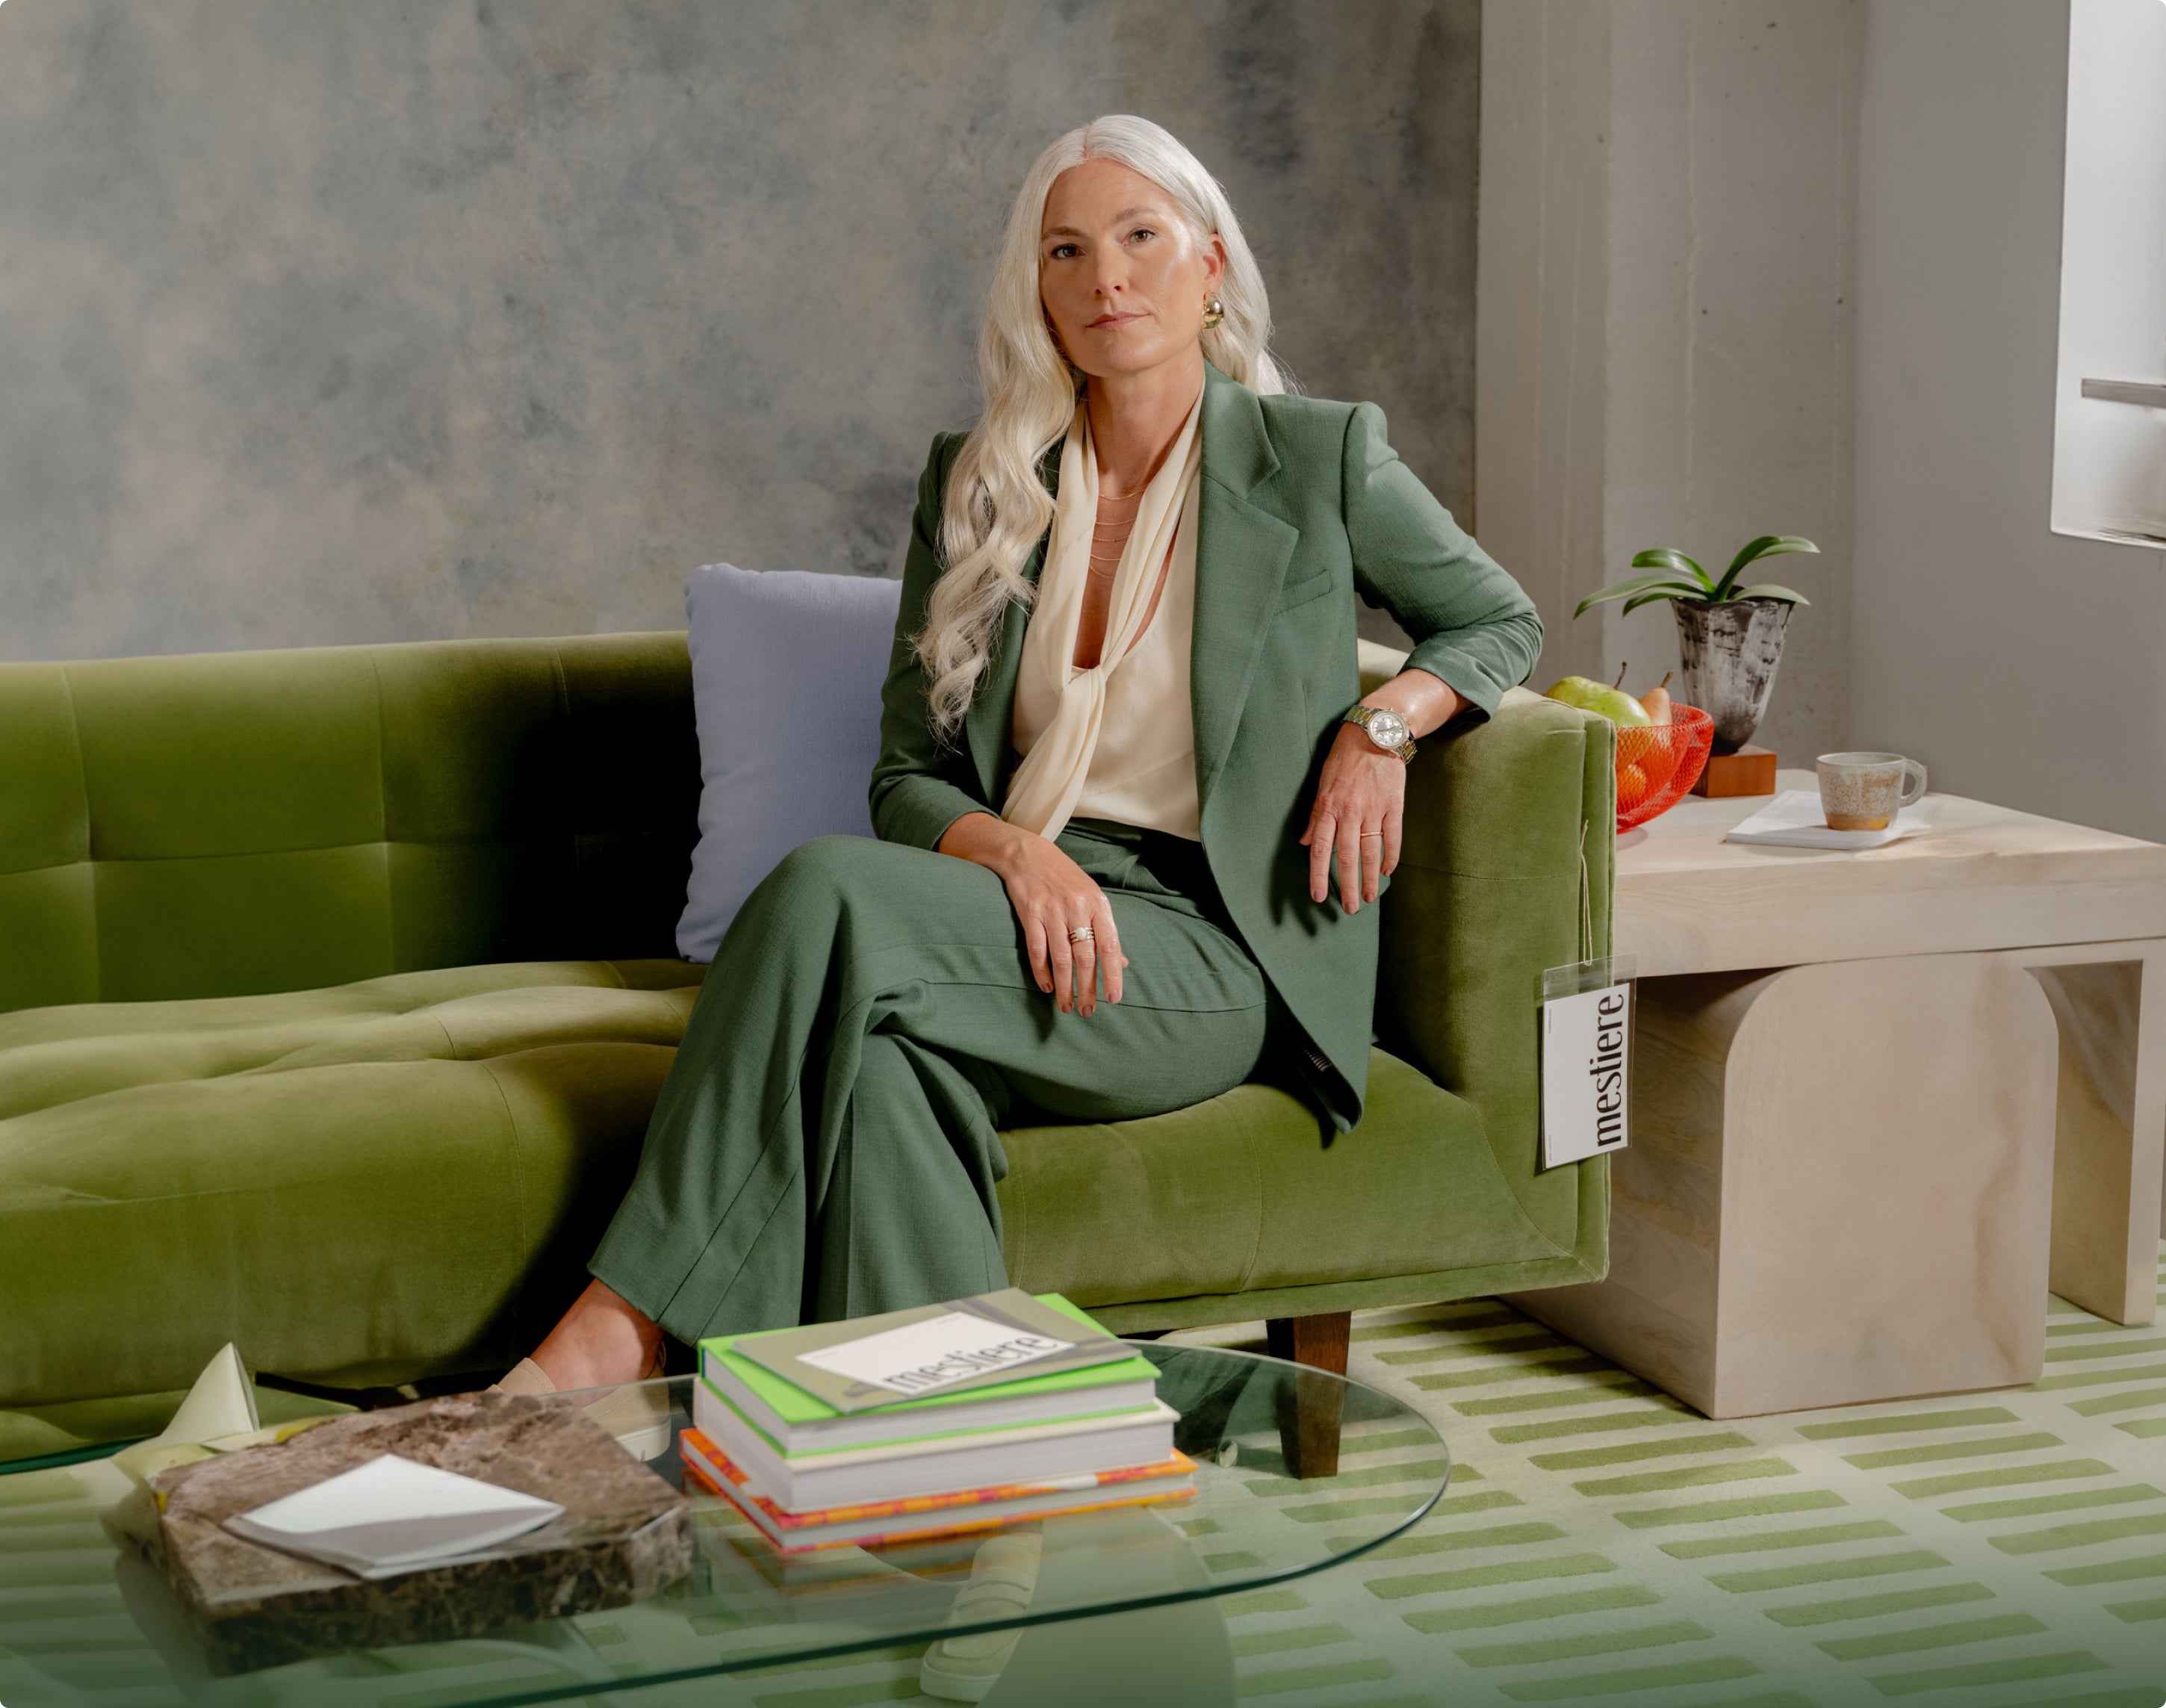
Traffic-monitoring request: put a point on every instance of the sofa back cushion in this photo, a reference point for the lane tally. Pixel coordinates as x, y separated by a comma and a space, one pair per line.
225, 824
786, 673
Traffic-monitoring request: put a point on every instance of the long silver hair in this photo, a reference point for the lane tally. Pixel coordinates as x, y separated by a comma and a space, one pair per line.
995, 506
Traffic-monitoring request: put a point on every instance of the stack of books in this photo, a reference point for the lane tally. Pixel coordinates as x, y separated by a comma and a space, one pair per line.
934, 1421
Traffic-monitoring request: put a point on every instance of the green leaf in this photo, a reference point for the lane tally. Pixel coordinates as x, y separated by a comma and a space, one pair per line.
1638, 588
1618, 589
1766, 545
1767, 589
1663, 557
1656, 595
1622, 590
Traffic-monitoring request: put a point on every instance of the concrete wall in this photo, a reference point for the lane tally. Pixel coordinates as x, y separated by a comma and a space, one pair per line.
1664, 317
2021, 665
1794, 266
336, 323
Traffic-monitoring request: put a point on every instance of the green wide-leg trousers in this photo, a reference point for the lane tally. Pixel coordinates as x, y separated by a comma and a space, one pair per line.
827, 1145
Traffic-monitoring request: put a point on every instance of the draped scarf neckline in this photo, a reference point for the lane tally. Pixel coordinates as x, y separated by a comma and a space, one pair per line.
1056, 762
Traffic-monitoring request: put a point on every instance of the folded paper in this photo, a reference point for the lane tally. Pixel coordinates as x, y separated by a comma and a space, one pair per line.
392, 1514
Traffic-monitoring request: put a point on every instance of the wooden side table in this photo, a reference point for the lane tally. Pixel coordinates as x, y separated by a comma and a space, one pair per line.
1881, 1101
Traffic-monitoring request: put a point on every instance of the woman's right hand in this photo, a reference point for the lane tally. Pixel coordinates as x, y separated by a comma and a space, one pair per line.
1052, 897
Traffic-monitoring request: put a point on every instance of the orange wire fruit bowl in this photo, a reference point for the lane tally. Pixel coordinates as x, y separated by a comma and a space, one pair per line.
1657, 765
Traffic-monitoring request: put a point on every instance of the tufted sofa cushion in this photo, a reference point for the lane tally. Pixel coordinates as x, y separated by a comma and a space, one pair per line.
403, 1176
368, 1183
1167, 1220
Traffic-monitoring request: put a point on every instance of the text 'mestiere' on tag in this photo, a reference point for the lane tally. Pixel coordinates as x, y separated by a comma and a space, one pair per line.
1587, 1058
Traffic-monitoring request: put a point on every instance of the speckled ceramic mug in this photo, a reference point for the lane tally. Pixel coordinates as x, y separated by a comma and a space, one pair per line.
1865, 791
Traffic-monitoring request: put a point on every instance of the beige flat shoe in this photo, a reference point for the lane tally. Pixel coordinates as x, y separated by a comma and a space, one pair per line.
636, 1414
525, 1377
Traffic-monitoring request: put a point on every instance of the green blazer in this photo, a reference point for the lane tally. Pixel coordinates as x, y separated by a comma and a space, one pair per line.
1303, 506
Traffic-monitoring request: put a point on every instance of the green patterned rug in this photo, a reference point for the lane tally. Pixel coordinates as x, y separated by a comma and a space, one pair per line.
1599, 1541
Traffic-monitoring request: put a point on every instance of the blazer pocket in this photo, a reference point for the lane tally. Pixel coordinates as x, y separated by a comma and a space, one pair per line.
1309, 589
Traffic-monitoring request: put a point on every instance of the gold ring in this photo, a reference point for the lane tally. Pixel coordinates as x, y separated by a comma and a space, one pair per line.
1081, 933
1366, 834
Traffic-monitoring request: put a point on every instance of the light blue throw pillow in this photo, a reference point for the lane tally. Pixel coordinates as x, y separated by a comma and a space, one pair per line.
786, 674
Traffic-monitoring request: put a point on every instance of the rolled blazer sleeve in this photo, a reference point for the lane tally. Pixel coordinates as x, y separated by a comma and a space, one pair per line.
1473, 625
920, 786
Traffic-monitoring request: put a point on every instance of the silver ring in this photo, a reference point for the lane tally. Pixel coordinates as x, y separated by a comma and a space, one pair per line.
1081, 933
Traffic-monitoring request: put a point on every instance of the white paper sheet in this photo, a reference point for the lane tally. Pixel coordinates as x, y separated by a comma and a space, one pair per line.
1794, 819
391, 1515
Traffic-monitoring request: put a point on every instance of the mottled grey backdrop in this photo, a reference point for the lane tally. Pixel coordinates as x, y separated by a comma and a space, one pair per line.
369, 321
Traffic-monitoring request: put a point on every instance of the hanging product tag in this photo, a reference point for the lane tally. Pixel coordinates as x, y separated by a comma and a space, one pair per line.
1586, 1045
1587, 1057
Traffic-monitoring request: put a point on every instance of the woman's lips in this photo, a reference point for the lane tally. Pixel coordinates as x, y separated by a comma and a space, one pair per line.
1113, 320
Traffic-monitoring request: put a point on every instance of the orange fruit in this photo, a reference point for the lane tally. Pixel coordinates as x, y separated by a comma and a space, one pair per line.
1659, 763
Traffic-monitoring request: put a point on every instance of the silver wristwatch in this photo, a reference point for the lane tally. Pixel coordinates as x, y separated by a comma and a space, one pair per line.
1388, 729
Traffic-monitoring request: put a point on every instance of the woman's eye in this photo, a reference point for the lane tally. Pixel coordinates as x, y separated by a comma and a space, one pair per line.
1061, 252
1143, 231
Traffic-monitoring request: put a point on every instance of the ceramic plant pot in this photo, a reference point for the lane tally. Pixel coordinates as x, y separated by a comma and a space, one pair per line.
1729, 652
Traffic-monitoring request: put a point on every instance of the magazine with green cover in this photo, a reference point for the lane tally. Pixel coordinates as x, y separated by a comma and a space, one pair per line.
1052, 1400
921, 1356
797, 1423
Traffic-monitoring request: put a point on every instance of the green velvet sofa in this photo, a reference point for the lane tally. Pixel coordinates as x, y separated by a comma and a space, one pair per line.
336, 987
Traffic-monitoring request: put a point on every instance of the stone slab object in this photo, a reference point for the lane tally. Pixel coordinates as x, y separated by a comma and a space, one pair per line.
625, 1533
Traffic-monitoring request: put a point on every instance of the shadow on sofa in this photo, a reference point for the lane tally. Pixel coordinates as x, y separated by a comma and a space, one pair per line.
337, 987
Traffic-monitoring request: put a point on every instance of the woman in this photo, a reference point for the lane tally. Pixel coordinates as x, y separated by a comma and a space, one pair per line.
1122, 758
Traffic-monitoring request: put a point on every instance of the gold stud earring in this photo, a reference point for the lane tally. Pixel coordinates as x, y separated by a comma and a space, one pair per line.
1214, 312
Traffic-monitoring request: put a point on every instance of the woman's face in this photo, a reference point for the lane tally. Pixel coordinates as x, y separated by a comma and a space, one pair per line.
1123, 278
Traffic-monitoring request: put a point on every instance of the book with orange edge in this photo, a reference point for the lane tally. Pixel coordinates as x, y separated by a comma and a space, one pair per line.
740, 1557
920, 1517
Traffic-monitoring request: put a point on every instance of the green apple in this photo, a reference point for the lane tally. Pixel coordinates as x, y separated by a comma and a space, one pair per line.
1615, 704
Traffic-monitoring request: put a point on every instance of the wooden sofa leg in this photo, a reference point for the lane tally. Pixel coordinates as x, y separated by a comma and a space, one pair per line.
1308, 1412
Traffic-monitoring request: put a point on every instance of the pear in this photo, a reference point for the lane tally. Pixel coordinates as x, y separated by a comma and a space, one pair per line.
1656, 702
1615, 704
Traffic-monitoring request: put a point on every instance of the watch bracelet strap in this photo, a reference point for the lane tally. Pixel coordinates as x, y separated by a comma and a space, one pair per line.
1405, 749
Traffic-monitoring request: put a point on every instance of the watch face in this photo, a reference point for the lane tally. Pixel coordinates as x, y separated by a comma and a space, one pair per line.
1388, 729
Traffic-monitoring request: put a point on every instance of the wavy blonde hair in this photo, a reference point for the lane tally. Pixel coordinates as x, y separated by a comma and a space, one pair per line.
995, 506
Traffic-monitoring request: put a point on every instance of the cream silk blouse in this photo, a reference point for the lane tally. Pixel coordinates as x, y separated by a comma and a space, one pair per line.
1117, 740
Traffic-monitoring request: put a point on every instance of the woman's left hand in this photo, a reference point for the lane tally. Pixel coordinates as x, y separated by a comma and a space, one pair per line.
1360, 800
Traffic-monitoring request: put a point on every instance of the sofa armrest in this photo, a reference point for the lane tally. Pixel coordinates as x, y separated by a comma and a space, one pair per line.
1487, 894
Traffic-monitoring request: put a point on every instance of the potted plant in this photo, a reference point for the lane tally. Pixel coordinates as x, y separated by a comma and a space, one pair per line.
1730, 638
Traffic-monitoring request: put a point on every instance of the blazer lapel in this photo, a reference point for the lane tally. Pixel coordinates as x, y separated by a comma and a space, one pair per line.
1242, 551
985, 726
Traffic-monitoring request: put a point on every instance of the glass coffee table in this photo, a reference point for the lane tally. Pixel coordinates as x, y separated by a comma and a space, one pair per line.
1122, 1609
